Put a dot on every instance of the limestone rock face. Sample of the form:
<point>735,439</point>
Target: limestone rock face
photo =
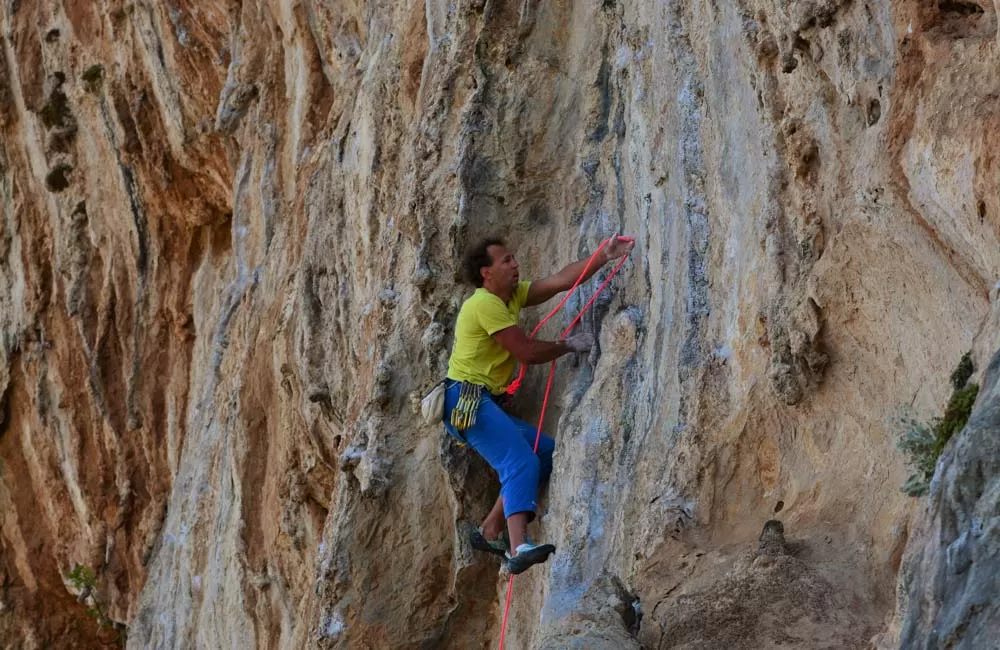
<point>230,243</point>
<point>775,596</point>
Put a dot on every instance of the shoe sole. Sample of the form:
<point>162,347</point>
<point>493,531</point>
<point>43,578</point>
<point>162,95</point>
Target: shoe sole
<point>528,559</point>
<point>480,544</point>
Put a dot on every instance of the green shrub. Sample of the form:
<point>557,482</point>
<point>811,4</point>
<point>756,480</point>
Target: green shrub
<point>924,442</point>
<point>956,415</point>
<point>962,373</point>
<point>82,577</point>
<point>918,442</point>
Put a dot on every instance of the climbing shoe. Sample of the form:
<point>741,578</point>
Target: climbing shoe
<point>496,547</point>
<point>527,555</point>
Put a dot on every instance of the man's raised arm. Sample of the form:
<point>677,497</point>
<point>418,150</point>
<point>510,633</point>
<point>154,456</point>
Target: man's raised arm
<point>542,290</point>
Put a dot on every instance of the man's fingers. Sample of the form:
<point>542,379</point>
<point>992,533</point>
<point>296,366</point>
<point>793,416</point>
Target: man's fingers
<point>621,246</point>
<point>580,342</point>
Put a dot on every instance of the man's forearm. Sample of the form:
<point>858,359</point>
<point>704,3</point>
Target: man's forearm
<point>545,351</point>
<point>569,274</point>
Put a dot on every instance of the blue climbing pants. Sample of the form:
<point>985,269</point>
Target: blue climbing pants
<point>506,443</point>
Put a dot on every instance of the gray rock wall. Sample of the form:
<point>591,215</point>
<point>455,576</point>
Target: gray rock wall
<point>949,579</point>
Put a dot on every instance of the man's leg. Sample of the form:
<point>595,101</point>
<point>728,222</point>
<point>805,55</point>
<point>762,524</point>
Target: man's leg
<point>498,439</point>
<point>546,446</point>
<point>517,528</point>
<point>494,522</point>
<point>491,418</point>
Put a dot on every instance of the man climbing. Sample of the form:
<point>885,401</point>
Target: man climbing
<point>488,340</point>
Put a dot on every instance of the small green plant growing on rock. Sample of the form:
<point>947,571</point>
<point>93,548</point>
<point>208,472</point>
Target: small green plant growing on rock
<point>924,442</point>
<point>84,579</point>
<point>917,441</point>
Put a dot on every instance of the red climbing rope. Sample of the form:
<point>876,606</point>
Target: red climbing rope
<point>516,384</point>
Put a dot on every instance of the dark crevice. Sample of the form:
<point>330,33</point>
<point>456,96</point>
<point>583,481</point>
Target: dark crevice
<point>874,112</point>
<point>632,616</point>
<point>959,7</point>
<point>343,142</point>
<point>616,159</point>
<point>92,78</point>
<point>55,180</point>
<point>56,113</point>
<point>138,218</point>
<point>133,416</point>
<point>603,85</point>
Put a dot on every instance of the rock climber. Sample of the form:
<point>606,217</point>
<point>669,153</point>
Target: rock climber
<point>488,340</point>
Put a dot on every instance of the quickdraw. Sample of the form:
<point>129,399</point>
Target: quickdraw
<point>464,415</point>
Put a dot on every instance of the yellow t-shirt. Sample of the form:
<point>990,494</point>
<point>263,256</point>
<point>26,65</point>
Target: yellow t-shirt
<point>477,358</point>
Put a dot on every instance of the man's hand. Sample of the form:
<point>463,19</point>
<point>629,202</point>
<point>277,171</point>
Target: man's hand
<point>580,342</point>
<point>617,248</point>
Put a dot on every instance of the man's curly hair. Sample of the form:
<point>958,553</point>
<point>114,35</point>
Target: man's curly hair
<point>479,256</point>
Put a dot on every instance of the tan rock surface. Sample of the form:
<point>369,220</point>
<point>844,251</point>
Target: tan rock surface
<point>229,246</point>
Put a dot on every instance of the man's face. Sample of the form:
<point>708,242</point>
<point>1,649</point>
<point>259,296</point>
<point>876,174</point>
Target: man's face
<point>504,273</point>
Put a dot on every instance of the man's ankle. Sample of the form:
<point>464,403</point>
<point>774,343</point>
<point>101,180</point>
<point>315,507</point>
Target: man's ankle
<point>492,534</point>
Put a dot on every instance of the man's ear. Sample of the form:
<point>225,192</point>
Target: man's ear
<point>482,272</point>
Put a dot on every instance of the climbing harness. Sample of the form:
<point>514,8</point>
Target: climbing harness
<point>516,384</point>
<point>463,416</point>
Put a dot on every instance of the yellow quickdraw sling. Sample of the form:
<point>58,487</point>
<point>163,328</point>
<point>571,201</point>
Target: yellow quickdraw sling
<point>463,416</point>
